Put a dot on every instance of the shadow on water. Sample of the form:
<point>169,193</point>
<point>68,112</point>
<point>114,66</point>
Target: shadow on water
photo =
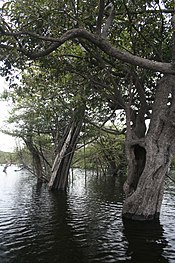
<point>51,238</point>
<point>83,225</point>
<point>146,242</point>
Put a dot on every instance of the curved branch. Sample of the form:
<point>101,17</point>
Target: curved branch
<point>101,43</point>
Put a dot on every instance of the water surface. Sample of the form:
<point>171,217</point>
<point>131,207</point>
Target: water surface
<point>82,225</point>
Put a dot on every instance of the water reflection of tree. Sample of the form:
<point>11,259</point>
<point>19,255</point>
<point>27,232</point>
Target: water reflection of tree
<point>146,242</point>
<point>49,236</point>
<point>107,188</point>
<point>65,248</point>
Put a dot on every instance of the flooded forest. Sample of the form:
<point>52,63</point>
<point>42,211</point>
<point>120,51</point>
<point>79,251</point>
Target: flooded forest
<point>91,89</point>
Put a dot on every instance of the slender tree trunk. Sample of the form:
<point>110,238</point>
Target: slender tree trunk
<point>62,163</point>
<point>149,157</point>
<point>37,164</point>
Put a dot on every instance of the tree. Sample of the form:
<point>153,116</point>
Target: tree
<point>48,114</point>
<point>37,119</point>
<point>29,125</point>
<point>119,31</point>
<point>102,151</point>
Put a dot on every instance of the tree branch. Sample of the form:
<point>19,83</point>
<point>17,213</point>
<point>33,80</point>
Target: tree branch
<point>140,90</point>
<point>141,34</point>
<point>107,130</point>
<point>100,16</point>
<point>100,42</point>
<point>108,21</point>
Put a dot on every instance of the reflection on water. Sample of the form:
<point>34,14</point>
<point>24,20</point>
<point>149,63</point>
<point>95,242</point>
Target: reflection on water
<point>146,242</point>
<point>82,225</point>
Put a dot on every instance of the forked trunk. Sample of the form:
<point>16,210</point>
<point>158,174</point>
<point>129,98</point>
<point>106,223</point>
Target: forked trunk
<point>62,163</point>
<point>149,157</point>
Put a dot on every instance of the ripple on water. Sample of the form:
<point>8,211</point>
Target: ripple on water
<point>81,226</point>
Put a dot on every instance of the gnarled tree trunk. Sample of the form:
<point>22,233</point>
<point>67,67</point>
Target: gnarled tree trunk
<point>149,157</point>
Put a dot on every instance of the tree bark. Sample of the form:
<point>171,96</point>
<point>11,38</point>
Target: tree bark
<point>37,164</point>
<point>62,163</point>
<point>149,157</point>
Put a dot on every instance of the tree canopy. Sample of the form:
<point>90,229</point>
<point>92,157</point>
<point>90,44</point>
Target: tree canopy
<point>107,55</point>
<point>93,59</point>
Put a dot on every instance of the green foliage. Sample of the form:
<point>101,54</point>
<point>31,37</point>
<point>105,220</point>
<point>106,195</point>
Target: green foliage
<point>23,157</point>
<point>78,74</point>
<point>8,158</point>
<point>131,30</point>
<point>106,153</point>
<point>20,157</point>
<point>44,105</point>
<point>173,163</point>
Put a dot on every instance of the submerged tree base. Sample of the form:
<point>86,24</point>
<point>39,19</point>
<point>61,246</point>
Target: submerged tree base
<point>129,216</point>
<point>149,156</point>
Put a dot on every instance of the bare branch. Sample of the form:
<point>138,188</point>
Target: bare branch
<point>109,20</point>
<point>107,130</point>
<point>100,16</point>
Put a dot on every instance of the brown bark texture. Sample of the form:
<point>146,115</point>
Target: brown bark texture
<point>149,156</point>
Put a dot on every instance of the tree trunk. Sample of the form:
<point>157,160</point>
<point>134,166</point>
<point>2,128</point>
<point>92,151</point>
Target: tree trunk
<point>61,166</point>
<point>37,164</point>
<point>149,157</point>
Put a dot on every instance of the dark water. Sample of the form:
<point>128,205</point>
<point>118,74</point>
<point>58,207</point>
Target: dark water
<point>83,225</point>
